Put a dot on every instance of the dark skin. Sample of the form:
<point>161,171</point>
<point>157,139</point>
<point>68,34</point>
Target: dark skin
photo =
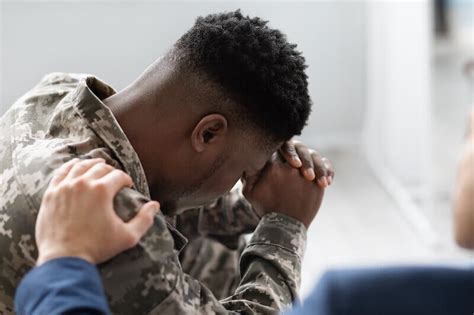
<point>191,152</point>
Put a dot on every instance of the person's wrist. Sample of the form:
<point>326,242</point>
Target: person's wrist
<point>46,256</point>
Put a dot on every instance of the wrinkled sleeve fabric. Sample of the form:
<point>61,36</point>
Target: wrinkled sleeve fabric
<point>62,286</point>
<point>148,279</point>
<point>270,266</point>
<point>224,220</point>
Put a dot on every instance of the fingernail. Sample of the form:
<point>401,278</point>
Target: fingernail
<point>310,173</point>
<point>325,181</point>
<point>322,183</point>
<point>297,160</point>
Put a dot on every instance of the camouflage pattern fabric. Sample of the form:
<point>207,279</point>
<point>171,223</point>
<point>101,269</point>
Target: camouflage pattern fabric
<point>62,118</point>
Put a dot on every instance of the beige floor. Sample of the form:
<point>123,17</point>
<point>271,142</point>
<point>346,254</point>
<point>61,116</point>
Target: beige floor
<point>359,225</point>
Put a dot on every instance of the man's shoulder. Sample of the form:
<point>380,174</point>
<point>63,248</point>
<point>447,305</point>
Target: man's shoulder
<point>31,134</point>
<point>58,78</point>
<point>38,103</point>
<point>51,89</point>
<point>40,132</point>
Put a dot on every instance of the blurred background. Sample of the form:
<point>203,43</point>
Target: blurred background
<point>391,102</point>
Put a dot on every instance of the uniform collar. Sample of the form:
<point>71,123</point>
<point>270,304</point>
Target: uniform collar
<point>87,99</point>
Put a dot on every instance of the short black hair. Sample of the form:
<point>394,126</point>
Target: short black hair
<point>255,65</point>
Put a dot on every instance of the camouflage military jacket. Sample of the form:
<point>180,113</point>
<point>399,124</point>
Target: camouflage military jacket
<point>63,117</point>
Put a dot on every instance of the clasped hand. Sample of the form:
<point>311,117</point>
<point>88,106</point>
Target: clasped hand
<point>291,183</point>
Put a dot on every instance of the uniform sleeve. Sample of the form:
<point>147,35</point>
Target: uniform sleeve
<point>61,286</point>
<point>149,278</point>
<point>271,266</point>
<point>225,220</point>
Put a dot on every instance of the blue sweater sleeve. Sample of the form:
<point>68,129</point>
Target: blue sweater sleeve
<point>62,286</point>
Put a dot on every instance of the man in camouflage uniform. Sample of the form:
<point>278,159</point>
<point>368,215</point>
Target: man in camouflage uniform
<point>66,116</point>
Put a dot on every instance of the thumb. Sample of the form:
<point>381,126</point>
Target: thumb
<point>143,220</point>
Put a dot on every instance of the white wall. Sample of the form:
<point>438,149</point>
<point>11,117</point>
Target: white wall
<point>1,58</point>
<point>398,124</point>
<point>117,40</point>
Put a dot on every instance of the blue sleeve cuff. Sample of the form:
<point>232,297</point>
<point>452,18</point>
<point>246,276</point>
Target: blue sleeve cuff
<point>64,285</point>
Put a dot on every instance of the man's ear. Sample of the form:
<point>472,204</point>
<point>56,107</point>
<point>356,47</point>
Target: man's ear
<point>209,130</point>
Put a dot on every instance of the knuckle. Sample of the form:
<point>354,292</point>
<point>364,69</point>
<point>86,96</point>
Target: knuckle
<point>303,150</point>
<point>106,167</point>
<point>126,176</point>
<point>288,147</point>
<point>99,167</point>
<point>318,161</point>
<point>123,176</point>
<point>48,195</point>
<point>79,184</point>
<point>63,188</point>
<point>79,166</point>
<point>118,172</point>
<point>131,240</point>
<point>68,187</point>
<point>82,163</point>
<point>291,152</point>
<point>59,171</point>
<point>100,187</point>
<point>327,162</point>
